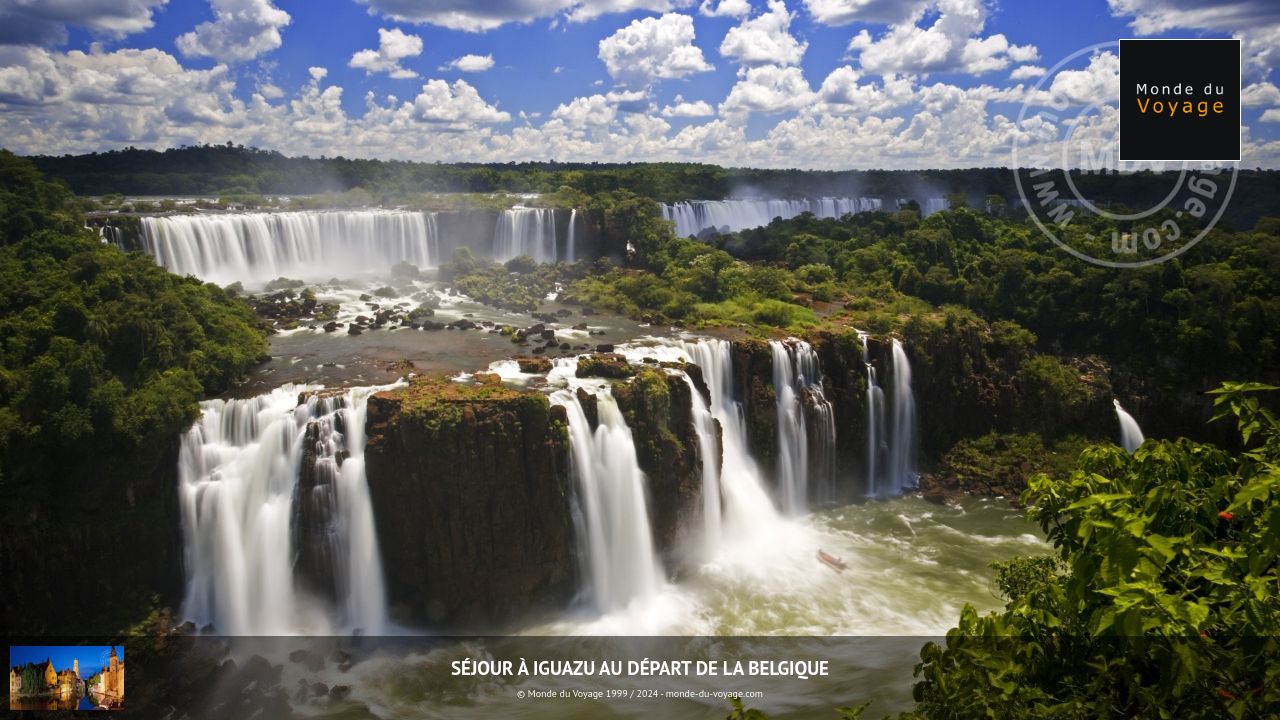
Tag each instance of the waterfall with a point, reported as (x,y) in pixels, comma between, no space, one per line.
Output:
(746,504)
(238,487)
(902,448)
(933,205)
(1130,433)
(617,539)
(571,247)
(875,420)
(694,216)
(704,425)
(797,380)
(256,247)
(525,231)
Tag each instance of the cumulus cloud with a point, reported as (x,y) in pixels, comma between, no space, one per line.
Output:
(473,16)
(394,45)
(23,22)
(952,43)
(1026,72)
(458,105)
(1257,94)
(470,63)
(767,89)
(765,40)
(844,12)
(1271,115)
(1256,22)
(725,8)
(240,30)
(650,49)
(682,108)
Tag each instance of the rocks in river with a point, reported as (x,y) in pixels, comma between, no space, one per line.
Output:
(605,365)
(311,659)
(536,329)
(462,324)
(535,365)
(548,334)
(432,325)
(338,693)
(564,312)
(580,326)
(354,330)
(487,378)
(365,297)
(604,348)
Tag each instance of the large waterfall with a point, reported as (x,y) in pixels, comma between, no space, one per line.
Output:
(571,246)
(746,505)
(797,383)
(891,446)
(694,216)
(616,535)
(902,450)
(256,247)
(525,231)
(1131,436)
(241,499)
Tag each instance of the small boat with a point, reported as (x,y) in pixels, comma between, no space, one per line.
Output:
(832,561)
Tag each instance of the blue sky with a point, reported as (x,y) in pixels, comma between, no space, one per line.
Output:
(803,83)
(92,657)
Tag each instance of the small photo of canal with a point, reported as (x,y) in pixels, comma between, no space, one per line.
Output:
(66,677)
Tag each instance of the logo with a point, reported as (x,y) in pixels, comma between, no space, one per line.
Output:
(1101,209)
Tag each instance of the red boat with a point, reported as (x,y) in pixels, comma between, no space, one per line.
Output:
(832,561)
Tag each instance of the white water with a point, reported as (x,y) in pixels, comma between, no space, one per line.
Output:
(746,505)
(933,205)
(256,247)
(902,448)
(1130,433)
(617,537)
(694,216)
(571,249)
(525,231)
(238,472)
(802,475)
(874,421)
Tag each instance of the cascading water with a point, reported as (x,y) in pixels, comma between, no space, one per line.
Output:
(617,539)
(571,249)
(525,231)
(694,216)
(933,205)
(797,382)
(238,474)
(746,504)
(902,448)
(1131,436)
(256,247)
(875,421)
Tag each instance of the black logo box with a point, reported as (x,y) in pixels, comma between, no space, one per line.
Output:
(1183,64)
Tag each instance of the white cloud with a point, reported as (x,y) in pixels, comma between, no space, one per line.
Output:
(586,111)
(394,45)
(842,94)
(725,8)
(270,91)
(1271,115)
(317,73)
(1026,72)
(951,44)
(459,105)
(767,89)
(470,63)
(482,15)
(1258,94)
(24,22)
(241,30)
(650,49)
(843,12)
(682,108)
(1256,22)
(765,39)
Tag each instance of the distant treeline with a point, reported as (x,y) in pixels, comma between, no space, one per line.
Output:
(217,170)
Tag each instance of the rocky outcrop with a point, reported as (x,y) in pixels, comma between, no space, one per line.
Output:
(753,379)
(470,488)
(659,410)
